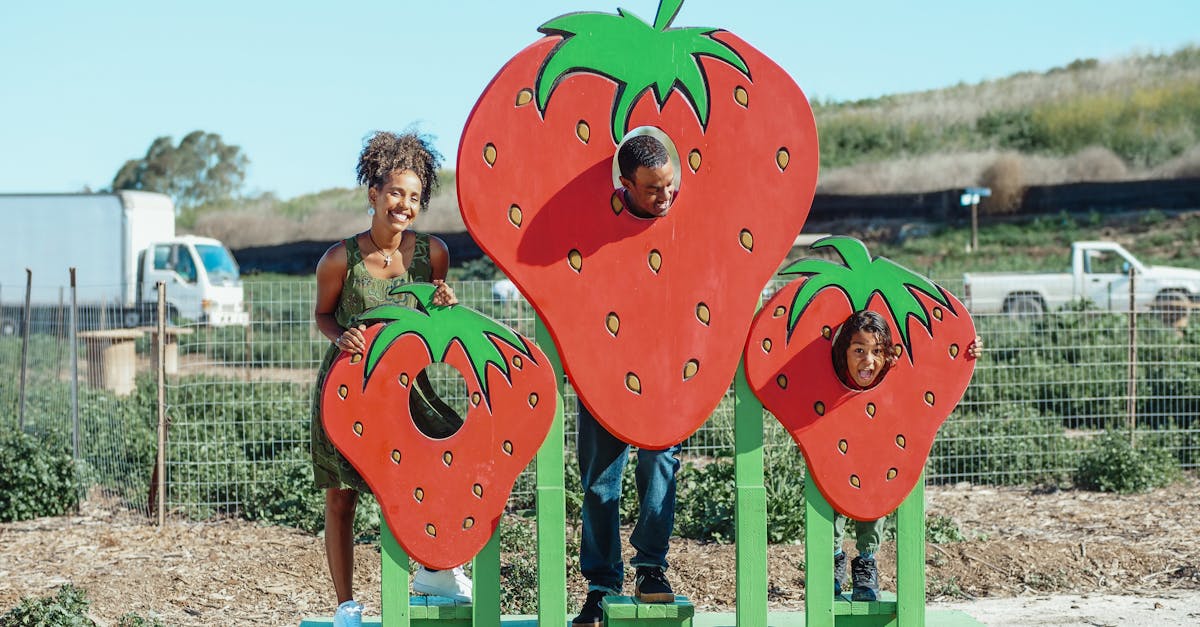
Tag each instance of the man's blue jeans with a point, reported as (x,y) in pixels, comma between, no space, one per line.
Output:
(602,460)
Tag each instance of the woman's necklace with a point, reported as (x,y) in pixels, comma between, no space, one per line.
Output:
(387,257)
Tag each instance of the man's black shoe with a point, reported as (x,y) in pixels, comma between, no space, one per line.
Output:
(839,573)
(592,615)
(651,586)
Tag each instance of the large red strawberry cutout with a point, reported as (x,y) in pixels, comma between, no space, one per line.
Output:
(865,448)
(441,498)
(649,315)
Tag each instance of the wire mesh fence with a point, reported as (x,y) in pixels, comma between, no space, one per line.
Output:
(239,399)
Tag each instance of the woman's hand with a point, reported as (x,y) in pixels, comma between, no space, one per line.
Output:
(976,348)
(443,296)
(351,340)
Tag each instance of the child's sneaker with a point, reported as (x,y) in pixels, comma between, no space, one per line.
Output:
(839,572)
(452,584)
(866,579)
(349,614)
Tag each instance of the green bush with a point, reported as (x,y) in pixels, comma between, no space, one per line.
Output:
(37,477)
(942,530)
(68,607)
(1003,444)
(518,567)
(1114,465)
(706,498)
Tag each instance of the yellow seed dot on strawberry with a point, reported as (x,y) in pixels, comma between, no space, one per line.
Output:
(779,311)
(431,530)
(690,369)
(633,383)
(447,458)
(355,358)
(524,97)
(826,332)
(954,351)
(475,398)
(477,490)
(489,154)
(740,96)
(937,313)
(900,441)
(655,260)
(514,216)
(468,522)
(518,362)
(854,481)
(766,345)
(929,398)
(871,409)
(343,391)
(617,204)
(897,350)
(843,445)
(404,379)
(613,323)
(694,160)
(583,131)
(396,456)
(891,473)
(782,158)
(508,447)
(533,400)
(781,381)
(419,494)
(703,314)
(358,428)
(746,239)
(575,260)
(819,407)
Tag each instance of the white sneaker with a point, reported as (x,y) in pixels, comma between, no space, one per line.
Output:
(349,614)
(452,584)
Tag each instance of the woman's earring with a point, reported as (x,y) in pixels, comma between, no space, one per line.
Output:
(371,211)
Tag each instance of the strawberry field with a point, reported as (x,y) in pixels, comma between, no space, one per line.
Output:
(1043,394)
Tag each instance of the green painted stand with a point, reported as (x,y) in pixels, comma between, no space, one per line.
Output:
(906,608)
(622,611)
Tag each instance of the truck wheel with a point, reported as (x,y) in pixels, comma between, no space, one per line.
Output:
(1024,306)
(1170,307)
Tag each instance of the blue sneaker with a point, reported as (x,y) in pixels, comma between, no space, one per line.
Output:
(866,579)
(349,614)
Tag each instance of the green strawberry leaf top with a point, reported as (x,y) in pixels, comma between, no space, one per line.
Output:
(860,277)
(438,327)
(637,56)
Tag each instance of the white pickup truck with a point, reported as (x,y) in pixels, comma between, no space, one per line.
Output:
(1099,273)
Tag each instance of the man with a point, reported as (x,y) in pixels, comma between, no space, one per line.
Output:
(648,179)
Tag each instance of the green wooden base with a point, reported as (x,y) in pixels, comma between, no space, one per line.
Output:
(721,619)
(422,610)
(623,610)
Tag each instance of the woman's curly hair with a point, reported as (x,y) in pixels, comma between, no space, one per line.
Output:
(385,152)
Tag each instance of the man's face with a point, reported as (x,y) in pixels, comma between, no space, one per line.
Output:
(652,190)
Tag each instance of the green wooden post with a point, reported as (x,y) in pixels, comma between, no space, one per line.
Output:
(818,556)
(910,558)
(552,504)
(485,593)
(750,517)
(395,579)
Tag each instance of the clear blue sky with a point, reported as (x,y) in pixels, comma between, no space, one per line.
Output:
(86,85)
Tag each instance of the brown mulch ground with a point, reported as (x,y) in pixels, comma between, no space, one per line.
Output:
(1020,541)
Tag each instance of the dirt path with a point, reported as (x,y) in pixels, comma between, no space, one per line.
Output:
(1071,557)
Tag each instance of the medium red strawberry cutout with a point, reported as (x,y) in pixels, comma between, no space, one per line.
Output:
(865,448)
(649,315)
(441,498)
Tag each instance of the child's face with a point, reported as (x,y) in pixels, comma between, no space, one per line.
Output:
(865,359)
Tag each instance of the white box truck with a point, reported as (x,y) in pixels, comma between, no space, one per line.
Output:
(121,245)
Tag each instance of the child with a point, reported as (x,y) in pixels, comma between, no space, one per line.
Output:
(862,355)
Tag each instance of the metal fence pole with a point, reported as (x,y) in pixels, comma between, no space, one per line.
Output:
(24,349)
(74,330)
(1131,406)
(160,463)
(249,335)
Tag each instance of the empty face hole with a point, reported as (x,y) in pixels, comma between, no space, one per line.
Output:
(439,400)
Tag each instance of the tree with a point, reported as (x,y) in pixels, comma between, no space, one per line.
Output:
(201,169)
